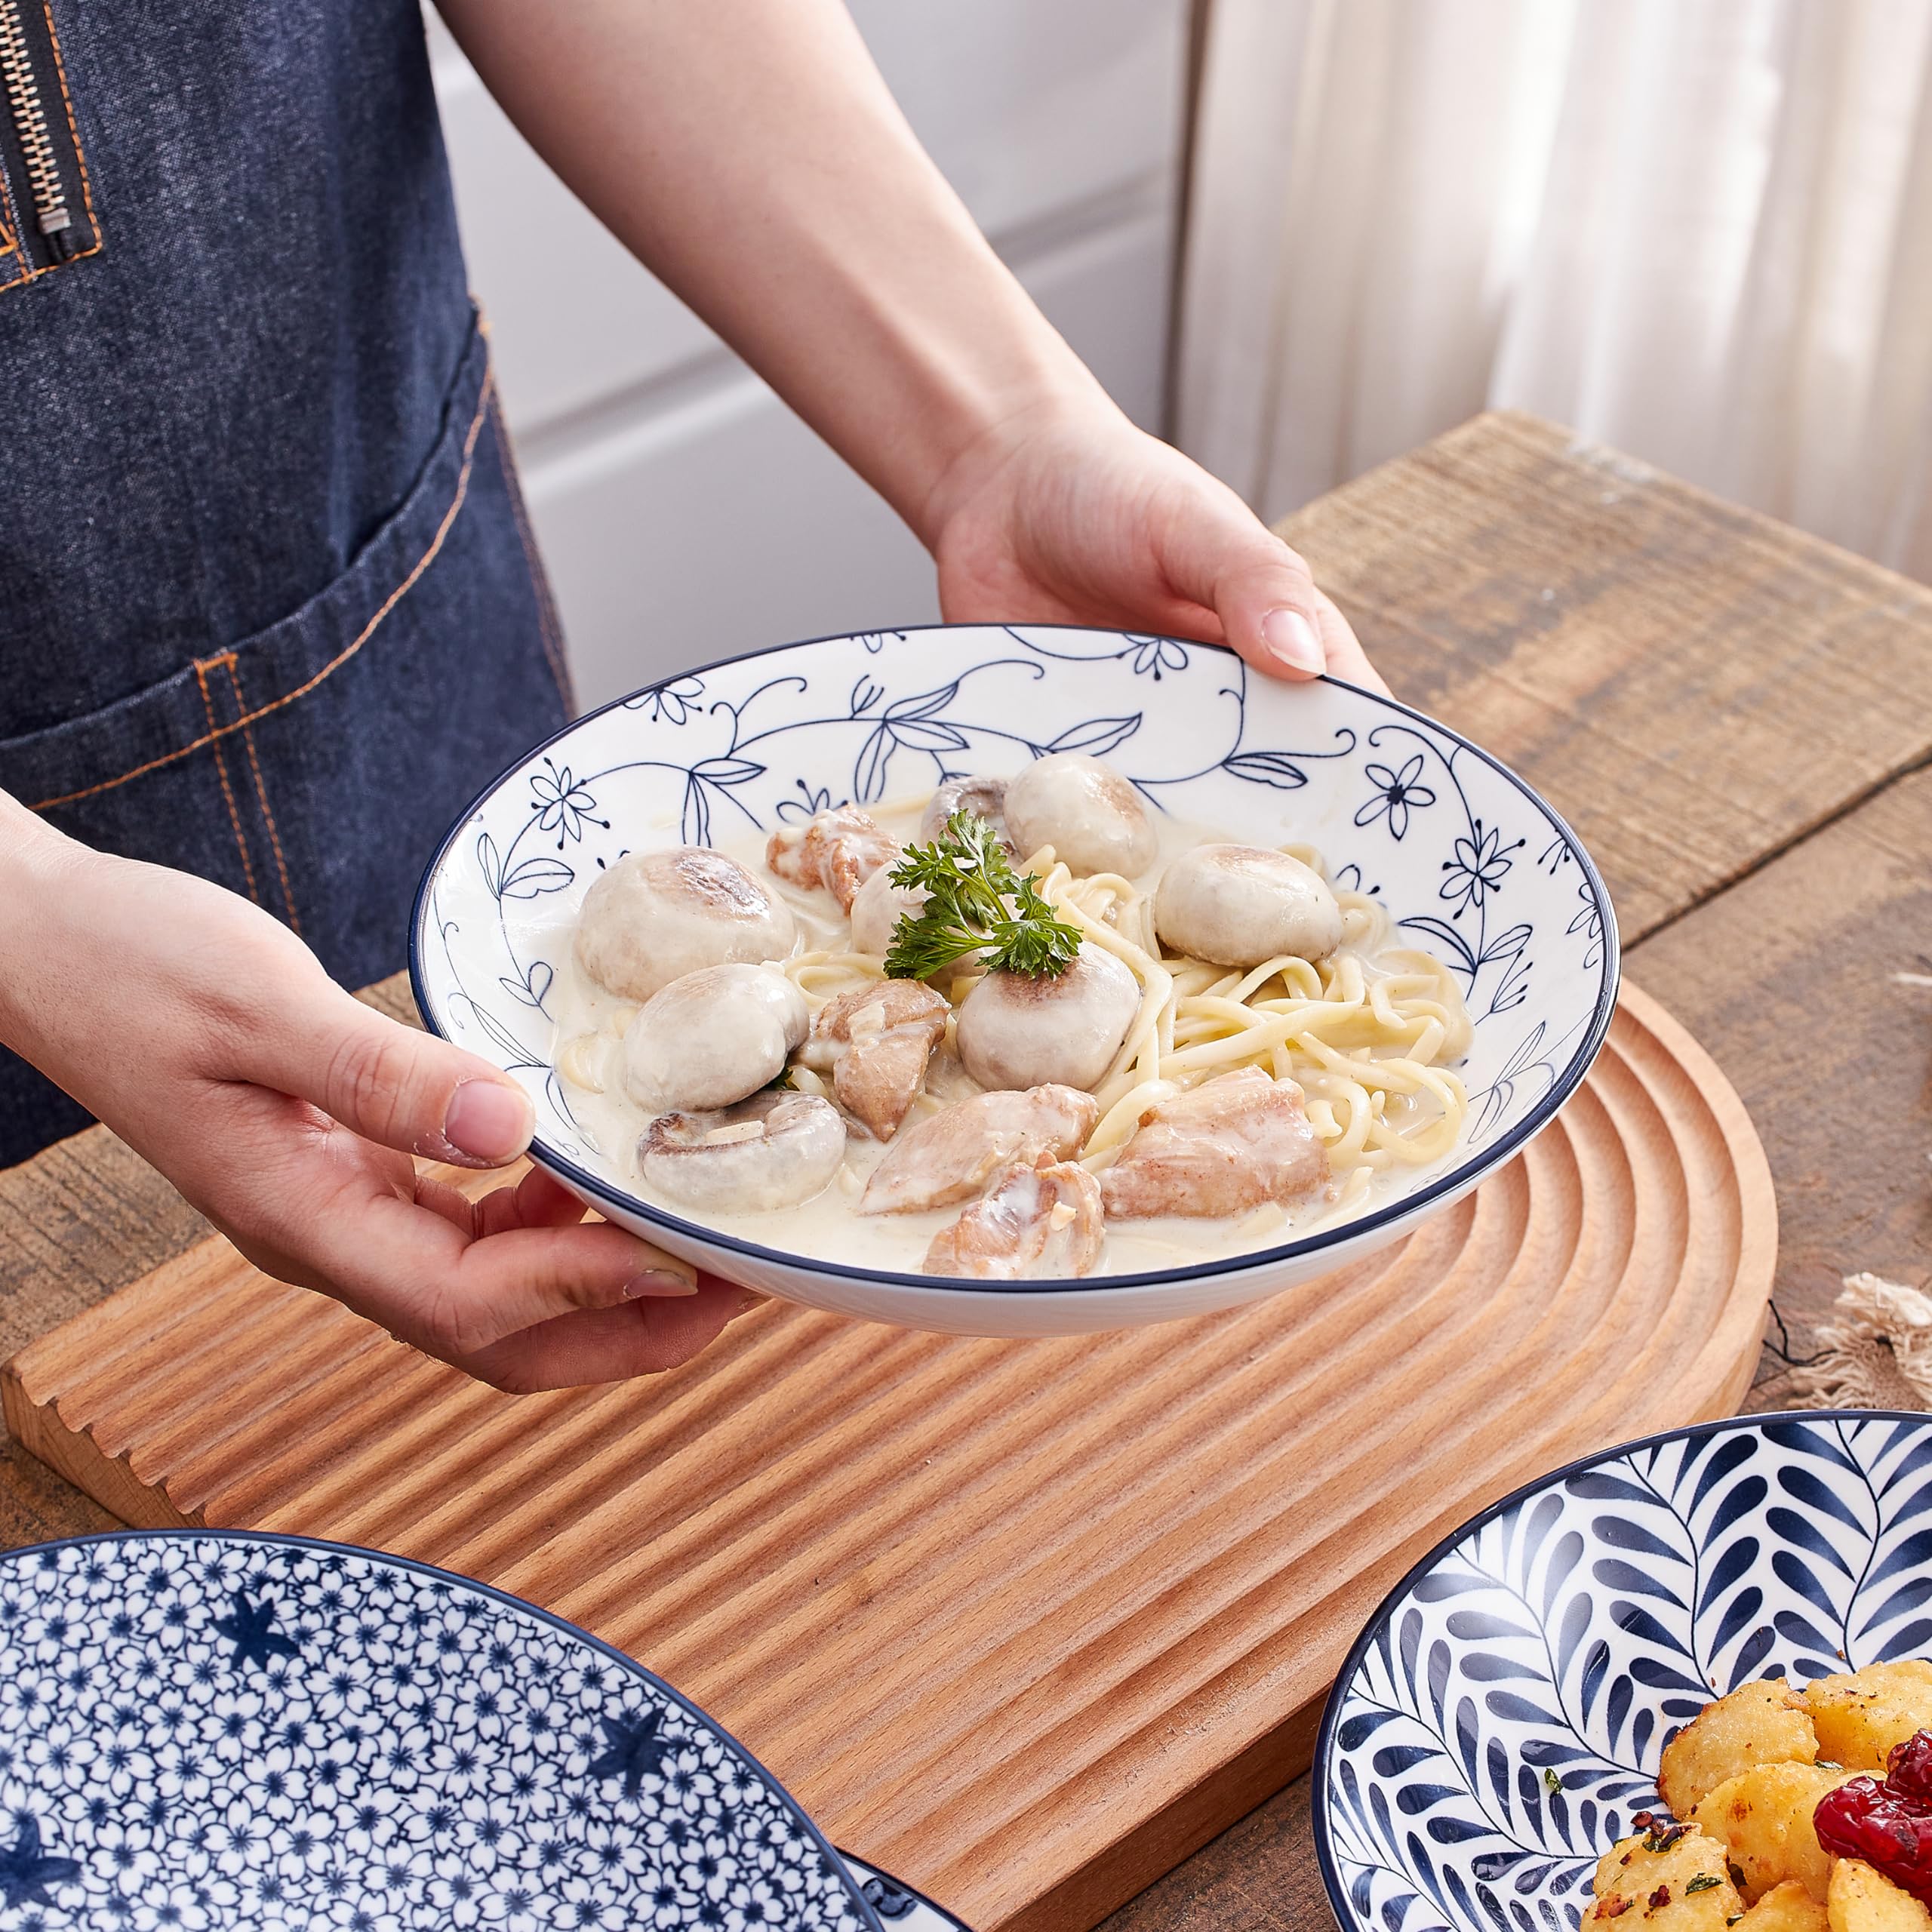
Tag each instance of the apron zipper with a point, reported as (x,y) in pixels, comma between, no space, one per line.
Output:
(30,130)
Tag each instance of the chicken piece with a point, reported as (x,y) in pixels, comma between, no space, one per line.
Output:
(954,1154)
(1760,1723)
(1222,1148)
(839,850)
(1036,1224)
(876,1041)
(1675,1876)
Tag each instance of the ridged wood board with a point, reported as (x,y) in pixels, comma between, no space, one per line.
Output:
(1023,1622)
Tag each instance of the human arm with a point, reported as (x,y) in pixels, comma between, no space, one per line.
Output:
(748,152)
(208,1037)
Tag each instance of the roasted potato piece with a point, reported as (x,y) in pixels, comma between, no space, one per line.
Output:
(1763,1723)
(1683,1887)
(1787,1908)
(1763,1817)
(1859,1715)
(1865,1900)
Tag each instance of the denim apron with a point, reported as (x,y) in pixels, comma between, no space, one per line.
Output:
(269,610)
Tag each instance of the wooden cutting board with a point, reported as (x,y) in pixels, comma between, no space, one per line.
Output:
(1023,1622)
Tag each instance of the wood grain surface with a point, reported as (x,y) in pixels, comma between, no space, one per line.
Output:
(1023,1622)
(1610,632)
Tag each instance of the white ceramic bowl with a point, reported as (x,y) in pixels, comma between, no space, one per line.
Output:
(1474,866)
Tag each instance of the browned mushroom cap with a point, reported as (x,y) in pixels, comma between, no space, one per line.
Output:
(654,916)
(712,1037)
(1091,816)
(984,798)
(1017,1031)
(772,1151)
(1238,904)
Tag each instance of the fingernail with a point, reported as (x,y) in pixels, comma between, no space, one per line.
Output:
(488,1120)
(1291,641)
(656,1283)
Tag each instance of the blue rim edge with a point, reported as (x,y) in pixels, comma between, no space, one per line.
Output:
(275,1539)
(1538,1117)
(899,1884)
(1325,1738)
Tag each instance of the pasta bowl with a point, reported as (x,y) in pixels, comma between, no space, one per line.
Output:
(1499,1722)
(1469,862)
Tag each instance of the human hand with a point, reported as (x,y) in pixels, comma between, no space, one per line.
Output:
(209,1038)
(1067,513)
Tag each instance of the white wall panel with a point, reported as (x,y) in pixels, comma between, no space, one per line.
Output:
(723,523)
(1029,108)
(683,511)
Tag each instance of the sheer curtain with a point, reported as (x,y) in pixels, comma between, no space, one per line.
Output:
(1699,229)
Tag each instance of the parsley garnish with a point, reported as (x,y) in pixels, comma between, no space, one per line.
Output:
(1705,1881)
(975,902)
(1551,1782)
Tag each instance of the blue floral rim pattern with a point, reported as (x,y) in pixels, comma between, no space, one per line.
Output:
(918,723)
(1496,1725)
(280,1691)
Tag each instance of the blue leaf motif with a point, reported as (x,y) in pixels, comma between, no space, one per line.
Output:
(533,989)
(1735,1560)
(533,877)
(1097,736)
(1274,769)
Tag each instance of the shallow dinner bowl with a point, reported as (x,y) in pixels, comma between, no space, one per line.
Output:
(1471,863)
(1499,1721)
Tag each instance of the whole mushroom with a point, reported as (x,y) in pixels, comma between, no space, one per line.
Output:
(984,798)
(1239,905)
(1091,816)
(877,909)
(1014,1030)
(655,916)
(712,1037)
(772,1151)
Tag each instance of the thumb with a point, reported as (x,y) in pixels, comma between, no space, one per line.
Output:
(1269,610)
(1262,592)
(390,1083)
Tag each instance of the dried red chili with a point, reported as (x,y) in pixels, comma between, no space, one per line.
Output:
(1886,1823)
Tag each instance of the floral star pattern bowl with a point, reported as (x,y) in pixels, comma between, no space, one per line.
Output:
(202,1729)
(1499,1721)
(1472,863)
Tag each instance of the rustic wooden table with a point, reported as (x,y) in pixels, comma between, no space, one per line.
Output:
(1737,720)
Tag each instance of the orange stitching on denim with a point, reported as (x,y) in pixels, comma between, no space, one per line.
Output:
(73,131)
(540,584)
(341,657)
(262,793)
(221,767)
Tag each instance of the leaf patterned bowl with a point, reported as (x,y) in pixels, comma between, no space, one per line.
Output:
(1473,864)
(1501,1719)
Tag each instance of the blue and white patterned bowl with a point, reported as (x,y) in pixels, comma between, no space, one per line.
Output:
(1473,863)
(202,1729)
(1500,1720)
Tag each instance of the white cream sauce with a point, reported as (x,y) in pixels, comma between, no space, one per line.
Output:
(827,1227)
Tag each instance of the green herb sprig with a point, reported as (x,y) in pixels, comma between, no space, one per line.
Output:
(976,902)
